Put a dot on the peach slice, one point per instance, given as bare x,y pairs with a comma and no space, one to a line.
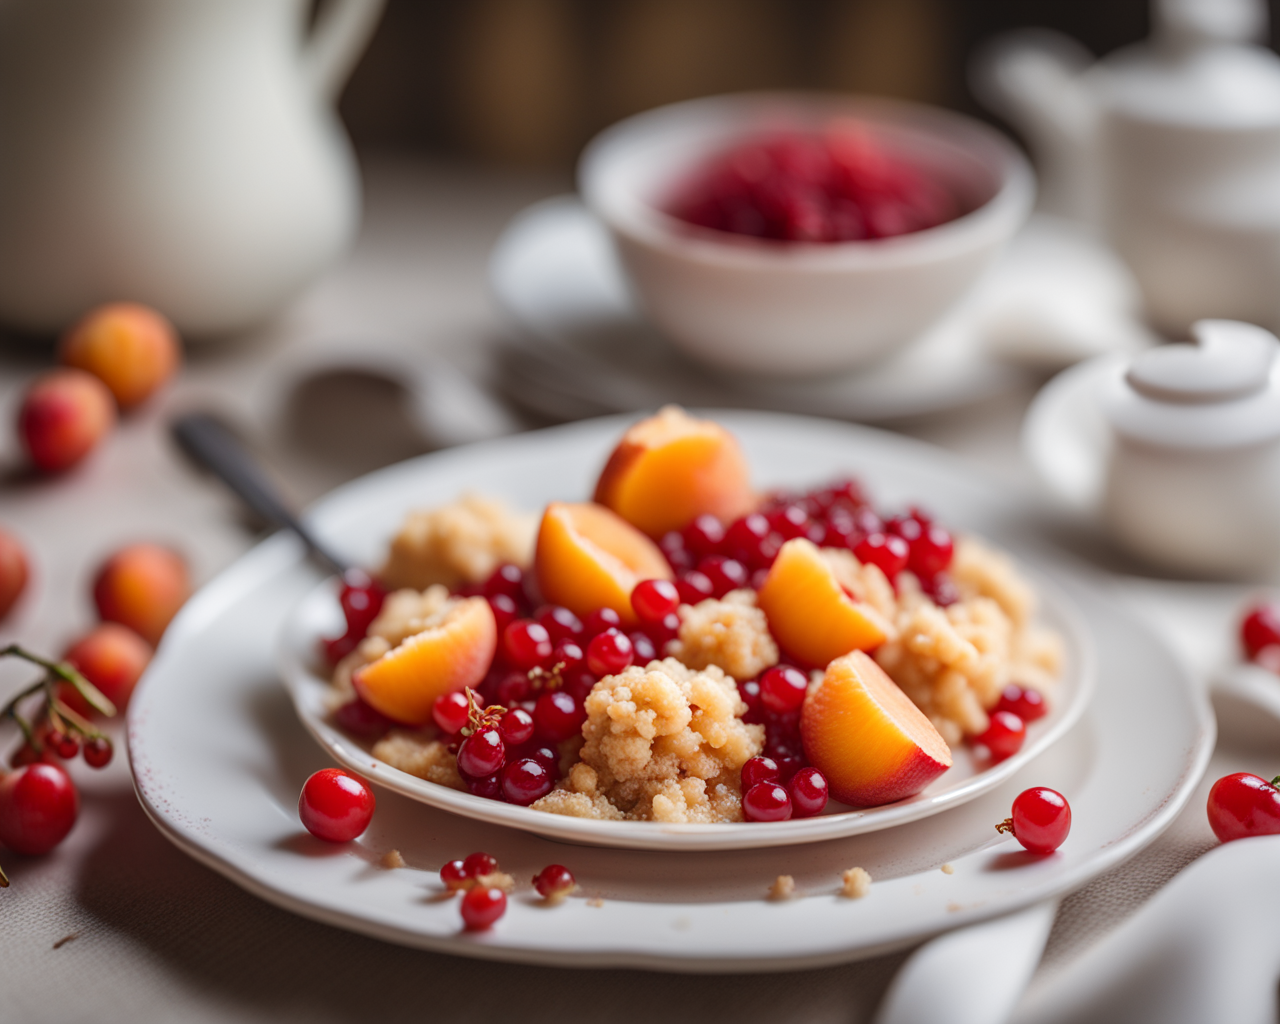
864,734
670,469
588,558
809,613
454,652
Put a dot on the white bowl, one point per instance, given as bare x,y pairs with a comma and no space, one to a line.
799,309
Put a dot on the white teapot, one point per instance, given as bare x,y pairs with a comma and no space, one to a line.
1171,146
182,153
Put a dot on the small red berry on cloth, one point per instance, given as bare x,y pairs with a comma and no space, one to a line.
1242,805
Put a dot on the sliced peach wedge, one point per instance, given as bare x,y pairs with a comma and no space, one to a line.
864,734
809,613
589,558
454,651
671,468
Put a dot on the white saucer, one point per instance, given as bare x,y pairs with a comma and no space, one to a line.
581,348
219,757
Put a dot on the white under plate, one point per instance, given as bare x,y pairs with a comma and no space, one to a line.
219,757
319,615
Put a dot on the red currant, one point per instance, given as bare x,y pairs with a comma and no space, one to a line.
931,552
570,656
808,792
554,882
790,521
653,600
505,611
489,787
1243,805
516,727
513,688
678,556
766,801
704,535
749,691
643,648
609,653
1004,736
600,620
527,644
450,711
907,527
941,588
454,876
886,551
482,753
1260,628
558,716
782,689
481,907
748,540
545,756
335,806
359,719
479,863
664,631
1041,819
64,745
507,580
560,623
1026,703
97,752
725,574
38,806
694,586
757,770
525,781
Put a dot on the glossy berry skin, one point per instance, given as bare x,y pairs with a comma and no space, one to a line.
1260,628
558,716
555,880
479,863
335,806
1243,805
1027,704
782,689
481,908
1004,736
505,611
809,792
38,806
559,622
488,788
886,551
482,753
513,688
931,552
66,746
454,875
704,536
516,727
600,620
97,752
653,600
450,711
757,770
725,574
359,719
1041,819
527,644
507,579
766,801
642,647
525,781
14,571
610,652
695,586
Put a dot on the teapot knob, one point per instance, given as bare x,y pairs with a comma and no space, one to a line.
1231,360
1210,21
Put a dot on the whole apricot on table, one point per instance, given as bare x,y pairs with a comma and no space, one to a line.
110,656
129,347
455,652
810,615
14,571
142,586
588,558
867,737
671,468
63,417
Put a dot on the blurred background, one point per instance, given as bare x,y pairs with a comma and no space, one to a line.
527,82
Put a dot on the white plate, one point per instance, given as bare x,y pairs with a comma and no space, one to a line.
219,757
319,615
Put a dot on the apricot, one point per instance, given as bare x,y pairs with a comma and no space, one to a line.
110,656
588,558
142,586
63,417
129,347
864,734
809,613
455,652
14,571
670,469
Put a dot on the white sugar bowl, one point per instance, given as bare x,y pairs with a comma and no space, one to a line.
1193,478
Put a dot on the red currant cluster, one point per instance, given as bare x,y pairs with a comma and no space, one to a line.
840,185
710,558
361,599
484,900
1260,635
1008,722
779,784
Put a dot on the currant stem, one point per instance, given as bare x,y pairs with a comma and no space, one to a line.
1005,826
61,670
4,881
1276,781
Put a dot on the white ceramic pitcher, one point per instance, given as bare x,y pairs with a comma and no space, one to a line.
182,153
1171,146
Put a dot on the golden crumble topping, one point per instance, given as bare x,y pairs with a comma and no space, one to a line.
425,758
732,634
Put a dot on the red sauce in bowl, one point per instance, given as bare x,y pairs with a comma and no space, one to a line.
839,185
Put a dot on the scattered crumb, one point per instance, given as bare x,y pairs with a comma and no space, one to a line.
65,939
954,908
559,896
783,888
497,880
392,860
595,901
947,869
857,883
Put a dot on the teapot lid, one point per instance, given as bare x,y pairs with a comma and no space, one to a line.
1223,392
1202,67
